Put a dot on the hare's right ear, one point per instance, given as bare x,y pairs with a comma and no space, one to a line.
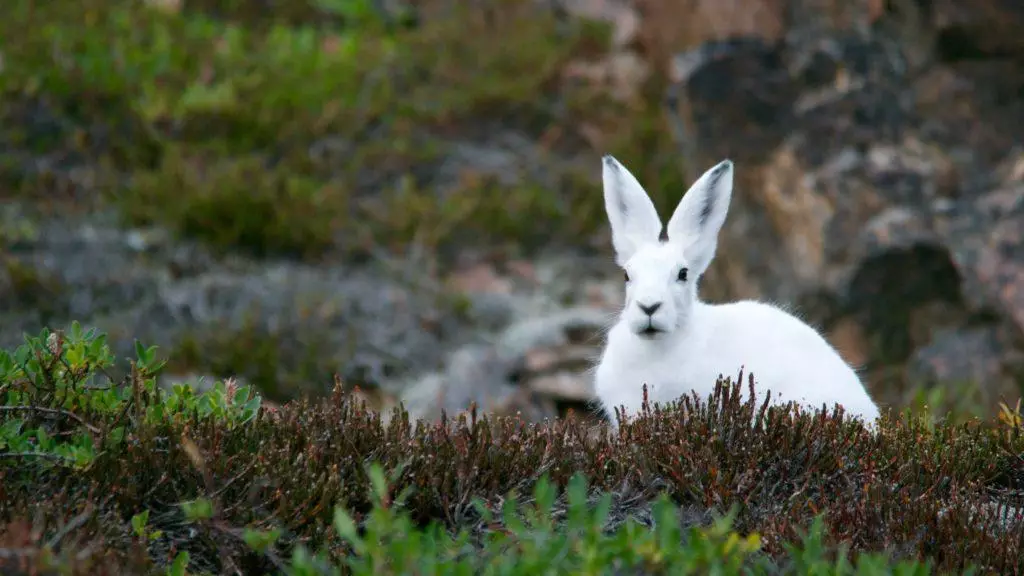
632,215
700,215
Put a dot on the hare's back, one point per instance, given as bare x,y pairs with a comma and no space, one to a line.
783,353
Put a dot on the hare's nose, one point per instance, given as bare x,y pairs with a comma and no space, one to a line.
649,309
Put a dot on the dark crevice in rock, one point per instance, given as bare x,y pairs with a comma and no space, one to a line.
886,288
957,44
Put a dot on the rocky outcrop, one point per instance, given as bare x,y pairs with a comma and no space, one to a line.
269,321
853,202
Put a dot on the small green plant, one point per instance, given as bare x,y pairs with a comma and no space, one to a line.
261,540
140,526
180,565
531,540
198,509
61,407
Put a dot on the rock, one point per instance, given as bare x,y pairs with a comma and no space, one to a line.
305,323
533,366
537,365
856,203
986,238
986,27
982,356
563,386
663,32
623,71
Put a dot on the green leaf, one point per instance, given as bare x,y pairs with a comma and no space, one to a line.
180,564
378,482
139,522
198,509
260,540
345,526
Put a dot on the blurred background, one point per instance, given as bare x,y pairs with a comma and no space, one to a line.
407,194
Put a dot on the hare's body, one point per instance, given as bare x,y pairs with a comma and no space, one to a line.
668,339
791,359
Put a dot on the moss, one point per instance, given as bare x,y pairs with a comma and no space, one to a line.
238,201
24,286
345,13
226,110
259,356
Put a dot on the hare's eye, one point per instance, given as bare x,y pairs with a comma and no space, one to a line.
682,275
625,275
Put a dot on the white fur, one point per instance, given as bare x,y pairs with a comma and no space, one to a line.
697,342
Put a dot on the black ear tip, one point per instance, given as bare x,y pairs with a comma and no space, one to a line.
609,161
724,166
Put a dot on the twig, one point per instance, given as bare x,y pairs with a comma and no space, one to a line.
45,455
233,480
52,412
17,552
75,522
236,533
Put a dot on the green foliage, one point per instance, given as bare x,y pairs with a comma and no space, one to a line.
61,407
180,565
956,403
239,202
313,128
533,541
25,286
198,509
255,353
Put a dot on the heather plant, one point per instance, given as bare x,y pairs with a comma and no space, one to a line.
107,473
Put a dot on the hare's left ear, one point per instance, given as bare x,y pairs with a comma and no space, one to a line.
699,217
632,215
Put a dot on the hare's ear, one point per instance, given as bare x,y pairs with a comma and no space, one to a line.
700,215
632,215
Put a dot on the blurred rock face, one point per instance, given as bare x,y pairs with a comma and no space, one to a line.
882,196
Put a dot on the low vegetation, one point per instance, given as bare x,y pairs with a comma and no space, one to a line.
102,476
317,129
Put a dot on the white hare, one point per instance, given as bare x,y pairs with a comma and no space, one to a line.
666,338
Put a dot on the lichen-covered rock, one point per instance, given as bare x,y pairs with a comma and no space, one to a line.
852,204
986,239
969,356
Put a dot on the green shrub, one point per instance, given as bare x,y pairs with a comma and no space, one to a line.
240,202
197,117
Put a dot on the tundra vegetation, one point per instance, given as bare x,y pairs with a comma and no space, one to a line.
103,476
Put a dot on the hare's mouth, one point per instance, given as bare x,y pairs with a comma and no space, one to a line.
650,332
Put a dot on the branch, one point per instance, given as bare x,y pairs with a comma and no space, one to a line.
45,455
75,523
51,412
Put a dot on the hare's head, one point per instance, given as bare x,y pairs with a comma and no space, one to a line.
662,264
